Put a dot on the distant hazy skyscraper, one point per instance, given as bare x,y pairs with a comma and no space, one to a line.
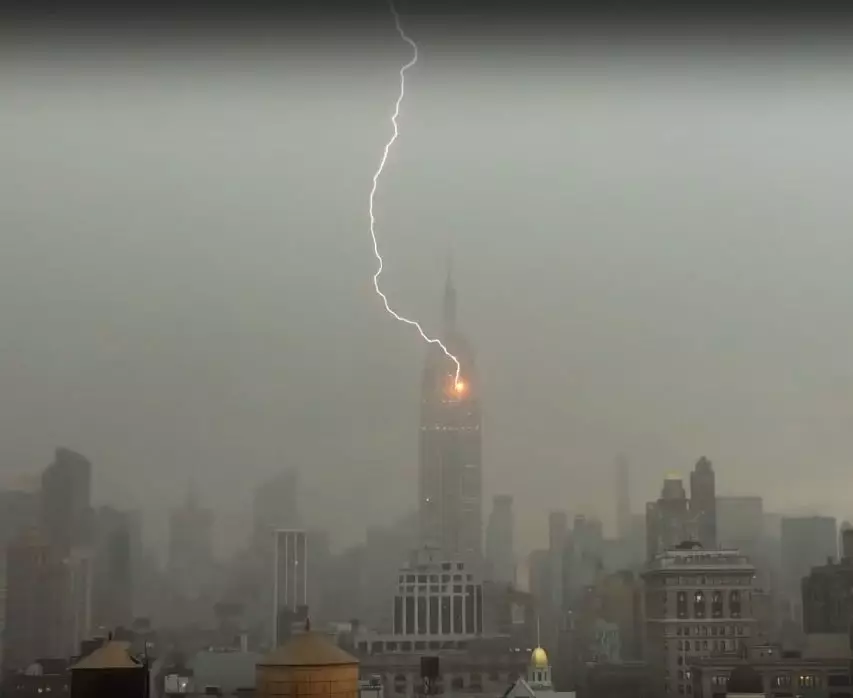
623,499
113,577
740,523
667,519
703,503
37,602
190,545
450,476
66,492
558,543
275,506
500,546
807,541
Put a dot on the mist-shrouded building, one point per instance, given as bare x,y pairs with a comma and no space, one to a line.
703,503
500,547
66,511
275,506
667,519
623,499
113,567
740,522
450,474
190,553
807,542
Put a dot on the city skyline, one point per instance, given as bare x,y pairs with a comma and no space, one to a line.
257,344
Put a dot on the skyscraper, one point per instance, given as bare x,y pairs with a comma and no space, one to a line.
66,523
667,519
703,503
450,476
113,569
66,511
500,548
290,576
623,499
37,602
275,506
190,546
558,543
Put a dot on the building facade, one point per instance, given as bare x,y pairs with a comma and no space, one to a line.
450,446
827,593
190,554
437,599
37,602
290,575
779,676
807,542
623,499
275,506
113,571
66,495
477,668
698,604
500,541
740,522
703,503
667,519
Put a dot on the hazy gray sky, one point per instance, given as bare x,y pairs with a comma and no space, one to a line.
652,251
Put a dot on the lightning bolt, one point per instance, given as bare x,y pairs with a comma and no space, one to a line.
431,340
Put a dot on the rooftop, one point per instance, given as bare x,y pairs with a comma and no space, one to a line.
112,655
308,649
700,558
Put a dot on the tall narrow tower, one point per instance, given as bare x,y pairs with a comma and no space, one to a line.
450,476
703,503
623,499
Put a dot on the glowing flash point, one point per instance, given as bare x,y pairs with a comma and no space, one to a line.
395,315
460,386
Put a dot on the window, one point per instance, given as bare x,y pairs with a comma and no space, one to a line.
734,604
809,681
717,604
782,681
680,604
699,604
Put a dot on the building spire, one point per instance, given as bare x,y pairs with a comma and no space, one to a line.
449,306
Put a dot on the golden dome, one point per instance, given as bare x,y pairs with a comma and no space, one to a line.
539,658
309,649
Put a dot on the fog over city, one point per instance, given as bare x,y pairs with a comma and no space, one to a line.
650,247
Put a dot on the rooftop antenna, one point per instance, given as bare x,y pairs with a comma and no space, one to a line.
538,643
307,624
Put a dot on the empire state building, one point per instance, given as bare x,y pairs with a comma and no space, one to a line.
450,474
